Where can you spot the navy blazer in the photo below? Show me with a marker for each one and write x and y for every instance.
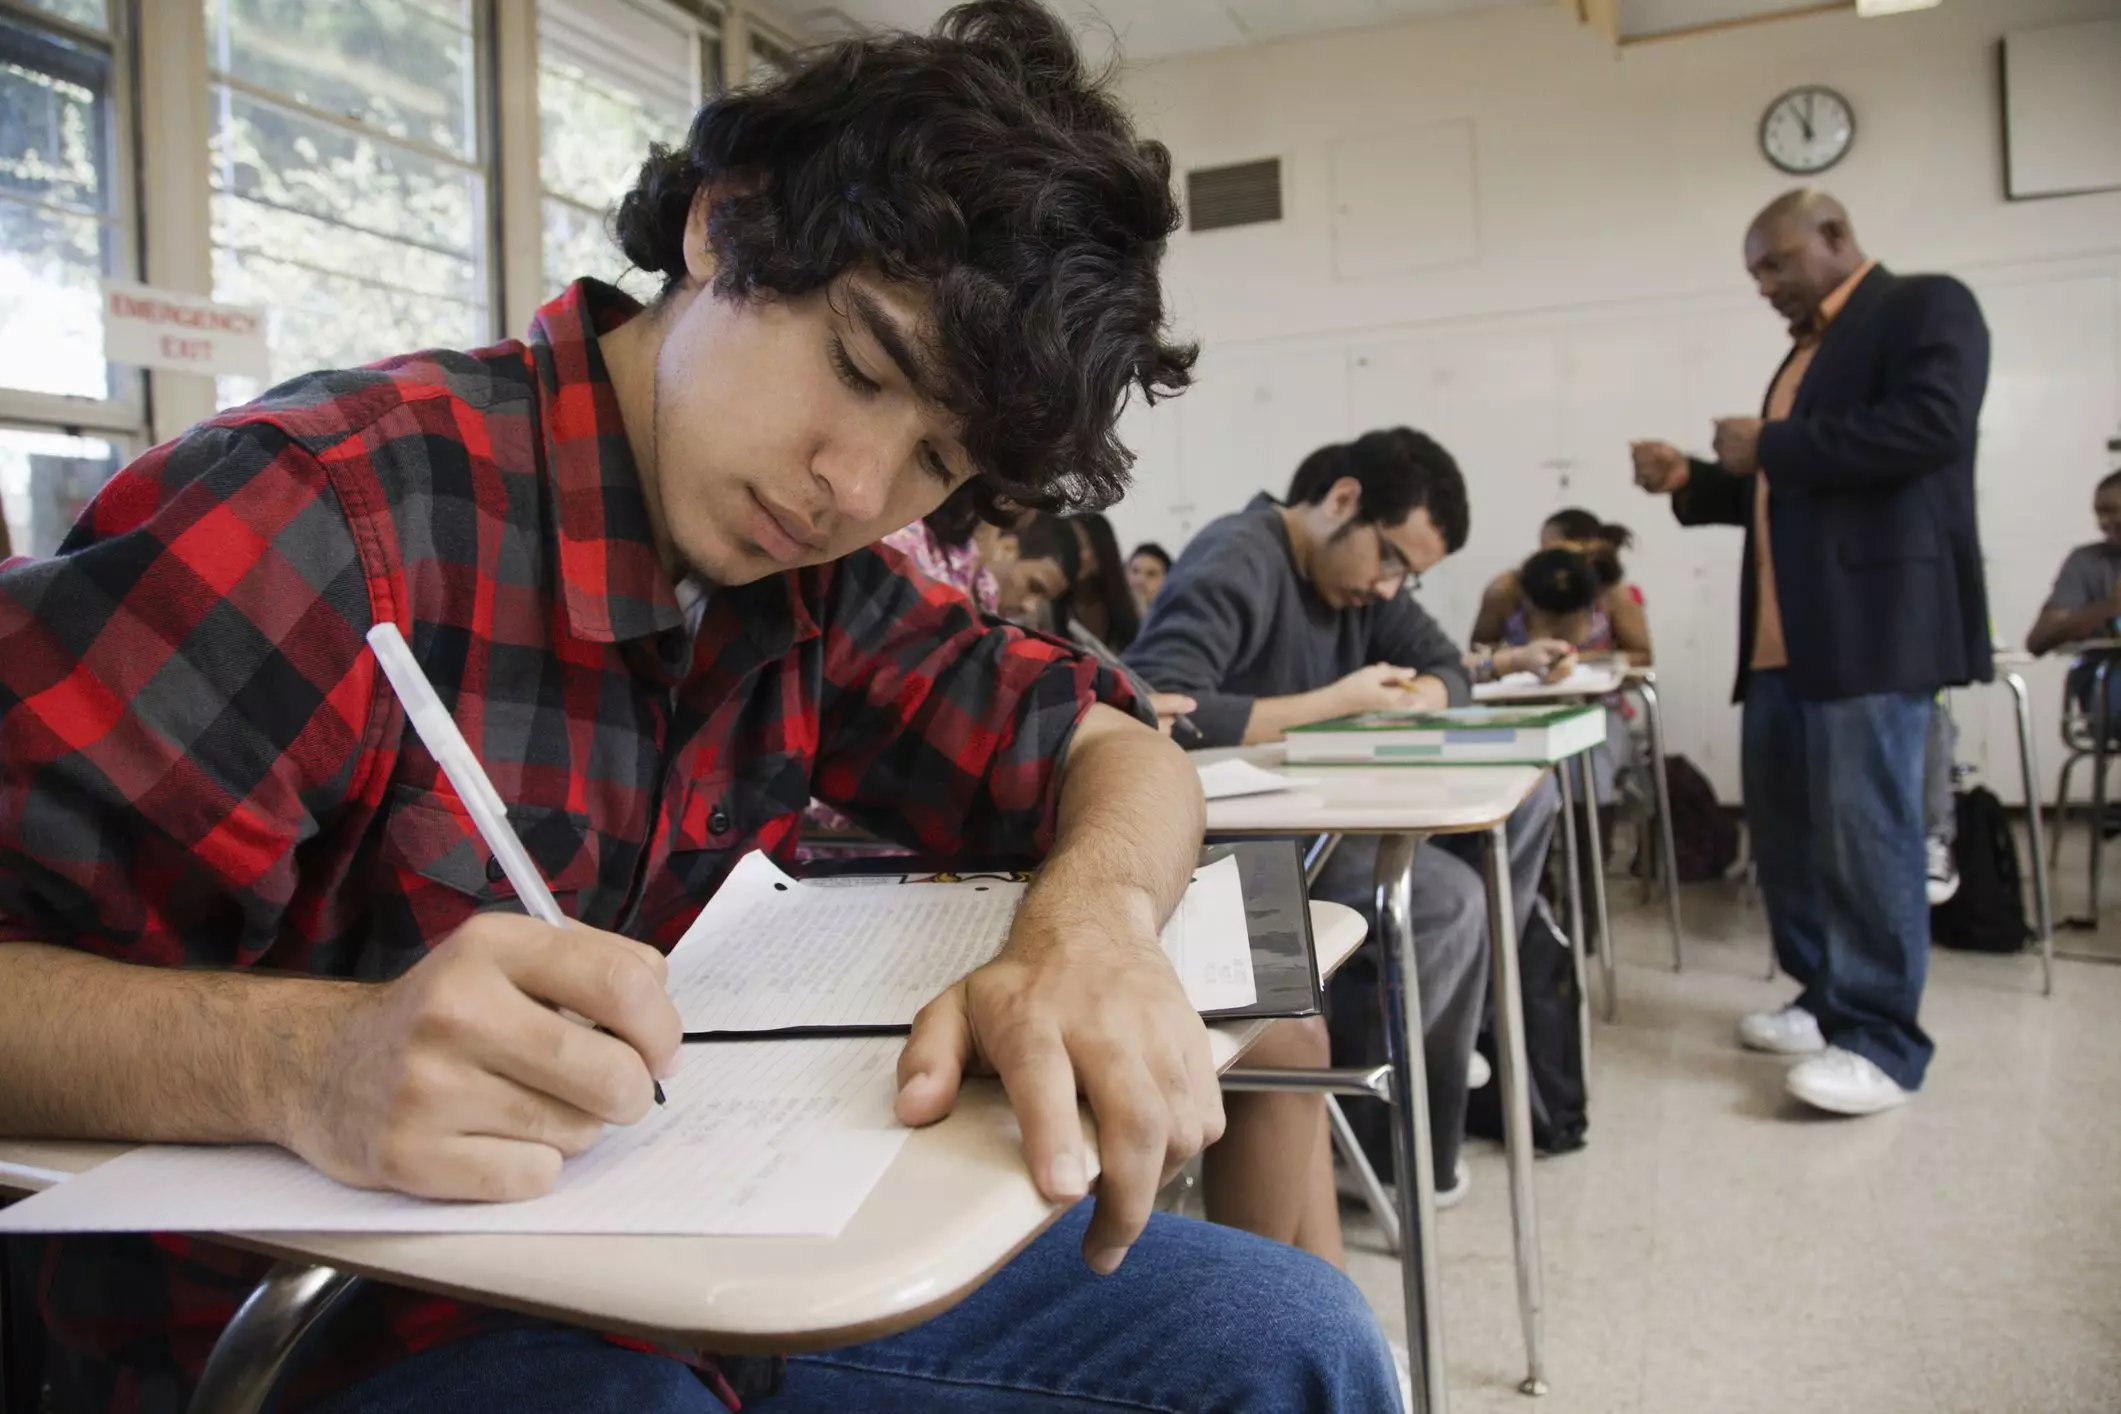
(1871, 499)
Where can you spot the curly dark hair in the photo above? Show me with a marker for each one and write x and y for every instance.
(983, 163)
(1401, 471)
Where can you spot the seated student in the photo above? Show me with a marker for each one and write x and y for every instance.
(1622, 624)
(952, 545)
(1033, 585)
(237, 900)
(1147, 569)
(1280, 615)
(1099, 597)
(2086, 603)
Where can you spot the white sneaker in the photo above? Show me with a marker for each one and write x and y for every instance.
(1943, 873)
(1405, 1368)
(1844, 1083)
(1461, 1185)
(1478, 1071)
(1793, 1031)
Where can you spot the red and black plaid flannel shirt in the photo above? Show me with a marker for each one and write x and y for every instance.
(200, 765)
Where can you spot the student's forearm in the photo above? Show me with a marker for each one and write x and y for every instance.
(2057, 627)
(1130, 823)
(95, 1049)
(1273, 716)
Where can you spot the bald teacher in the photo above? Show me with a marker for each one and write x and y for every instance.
(1860, 597)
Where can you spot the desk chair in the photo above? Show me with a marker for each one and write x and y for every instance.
(2084, 739)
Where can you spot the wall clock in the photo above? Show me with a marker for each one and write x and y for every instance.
(1807, 130)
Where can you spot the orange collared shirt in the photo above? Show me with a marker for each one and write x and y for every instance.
(1769, 648)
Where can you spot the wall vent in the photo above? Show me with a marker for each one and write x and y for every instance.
(1242, 194)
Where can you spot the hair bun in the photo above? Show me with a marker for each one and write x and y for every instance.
(650, 223)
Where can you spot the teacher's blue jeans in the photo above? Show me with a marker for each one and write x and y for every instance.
(1199, 1318)
(1834, 799)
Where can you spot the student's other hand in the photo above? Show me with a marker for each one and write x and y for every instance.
(461, 1079)
(1083, 1001)
(1660, 467)
(1169, 707)
(1382, 687)
(1552, 659)
(1738, 444)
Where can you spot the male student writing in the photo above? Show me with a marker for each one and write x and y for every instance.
(1281, 615)
(628, 552)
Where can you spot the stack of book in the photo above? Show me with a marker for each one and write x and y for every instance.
(1458, 736)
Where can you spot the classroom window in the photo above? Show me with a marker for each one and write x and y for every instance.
(349, 193)
(769, 57)
(614, 76)
(59, 227)
(46, 480)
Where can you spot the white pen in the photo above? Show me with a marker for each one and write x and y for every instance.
(454, 755)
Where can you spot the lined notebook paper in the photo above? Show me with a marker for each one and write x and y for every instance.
(782, 1138)
(770, 953)
(1223, 780)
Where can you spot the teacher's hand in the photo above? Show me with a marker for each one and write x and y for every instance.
(1660, 467)
(1738, 444)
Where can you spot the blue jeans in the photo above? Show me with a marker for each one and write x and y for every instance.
(1833, 795)
(1199, 1318)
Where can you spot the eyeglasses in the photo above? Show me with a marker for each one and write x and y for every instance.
(1393, 571)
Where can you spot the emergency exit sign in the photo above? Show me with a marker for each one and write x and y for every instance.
(152, 328)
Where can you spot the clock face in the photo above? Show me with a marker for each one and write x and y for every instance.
(1807, 130)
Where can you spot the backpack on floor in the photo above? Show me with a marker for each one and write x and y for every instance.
(1553, 1044)
(1988, 912)
(1704, 836)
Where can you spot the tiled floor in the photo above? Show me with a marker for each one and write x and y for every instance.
(1714, 1248)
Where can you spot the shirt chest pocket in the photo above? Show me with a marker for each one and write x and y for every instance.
(756, 802)
(432, 855)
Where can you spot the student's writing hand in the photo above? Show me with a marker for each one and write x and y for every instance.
(1382, 687)
(1552, 659)
(1169, 707)
(1081, 1000)
(461, 1079)
(1660, 467)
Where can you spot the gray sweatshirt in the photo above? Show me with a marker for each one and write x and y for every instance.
(1236, 622)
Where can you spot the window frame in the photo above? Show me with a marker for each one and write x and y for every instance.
(709, 27)
(122, 416)
(483, 162)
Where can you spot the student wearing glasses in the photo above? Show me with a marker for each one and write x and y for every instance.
(1289, 613)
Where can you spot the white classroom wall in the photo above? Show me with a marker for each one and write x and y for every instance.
(1500, 232)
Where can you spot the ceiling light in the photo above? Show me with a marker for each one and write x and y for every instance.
(1872, 9)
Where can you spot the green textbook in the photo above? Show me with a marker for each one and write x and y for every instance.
(1458, 736)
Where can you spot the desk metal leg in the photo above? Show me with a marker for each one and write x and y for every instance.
(1577, 937)
(253, 1352)
(1608, 965)
(1667, 846)
(1508, 999)
(1374, 1191)
(1399, 992)
(2100, 686)
(2029, 774)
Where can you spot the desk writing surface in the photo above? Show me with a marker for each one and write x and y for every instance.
(1371, 799)
(1588, 683)
(954, 1208)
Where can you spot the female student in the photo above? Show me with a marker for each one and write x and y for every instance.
(1619, 621)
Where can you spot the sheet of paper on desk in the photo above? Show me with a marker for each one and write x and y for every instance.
(769, 1138)
(1221, 780)
(768, 952)
(1584, 677)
